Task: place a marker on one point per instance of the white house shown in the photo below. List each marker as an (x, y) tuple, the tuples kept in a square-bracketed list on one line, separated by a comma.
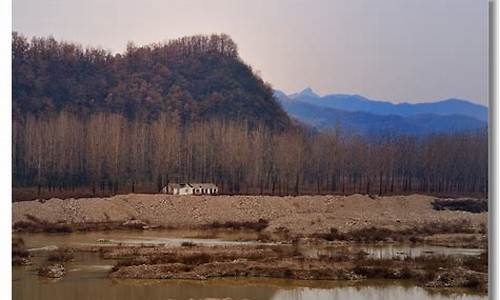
[(178, 189), (190, 189), (204, 188)]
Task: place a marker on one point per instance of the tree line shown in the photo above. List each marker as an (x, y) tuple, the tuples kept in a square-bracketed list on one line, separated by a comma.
[(109, 152)]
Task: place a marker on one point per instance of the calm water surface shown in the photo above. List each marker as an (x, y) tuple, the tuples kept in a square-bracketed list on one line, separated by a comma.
[(87, 279), (388, 251)]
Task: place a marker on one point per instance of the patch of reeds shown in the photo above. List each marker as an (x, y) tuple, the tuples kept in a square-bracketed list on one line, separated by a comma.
[(34, 224), (20, 254), (469, 205), (415, 234), (260, 225), (188, 244), (61, 256)]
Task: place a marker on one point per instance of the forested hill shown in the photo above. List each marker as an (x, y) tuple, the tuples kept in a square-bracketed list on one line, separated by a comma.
[(189, 79)]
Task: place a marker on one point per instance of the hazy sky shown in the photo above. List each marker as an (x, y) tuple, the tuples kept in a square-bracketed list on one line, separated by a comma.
[(396, 50)]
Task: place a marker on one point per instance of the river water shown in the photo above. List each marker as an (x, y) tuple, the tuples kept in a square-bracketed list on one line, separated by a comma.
[(87, 278), (388, 251)]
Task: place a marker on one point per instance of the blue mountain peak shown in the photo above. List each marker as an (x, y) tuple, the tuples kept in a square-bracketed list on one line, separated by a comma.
[(307, 92)]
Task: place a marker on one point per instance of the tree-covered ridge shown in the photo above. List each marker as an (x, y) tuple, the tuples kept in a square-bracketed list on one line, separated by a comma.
[(191, 79)]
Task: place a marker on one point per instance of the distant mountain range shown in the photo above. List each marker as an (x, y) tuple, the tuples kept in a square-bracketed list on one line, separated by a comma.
[(358, 114)]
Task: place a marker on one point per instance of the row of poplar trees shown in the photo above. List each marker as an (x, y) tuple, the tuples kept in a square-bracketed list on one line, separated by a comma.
[(107, 151)]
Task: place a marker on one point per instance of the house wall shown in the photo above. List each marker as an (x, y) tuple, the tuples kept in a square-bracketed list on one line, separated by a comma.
[(185, 191), (190, 191), (205, 191)]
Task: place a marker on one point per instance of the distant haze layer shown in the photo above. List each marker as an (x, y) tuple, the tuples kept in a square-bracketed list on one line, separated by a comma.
[(357, 114), (401, 51)]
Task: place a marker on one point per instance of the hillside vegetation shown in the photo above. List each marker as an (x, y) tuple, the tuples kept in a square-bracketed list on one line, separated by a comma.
[(189, 79)]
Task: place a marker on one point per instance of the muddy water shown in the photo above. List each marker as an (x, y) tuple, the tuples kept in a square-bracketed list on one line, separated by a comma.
[(87, 278), (387, 251), (225, 237), (154, 237), (92, 284)]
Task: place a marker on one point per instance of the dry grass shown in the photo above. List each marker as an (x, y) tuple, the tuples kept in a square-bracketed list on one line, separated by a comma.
[(279, 261), (61, 256), (188, 244), (378, 234), (20, 254), (469, 205), (33, 224), (19, 248), (477, 263), (260, 225)]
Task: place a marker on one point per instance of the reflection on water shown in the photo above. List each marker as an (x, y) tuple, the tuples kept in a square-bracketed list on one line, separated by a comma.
[(368, 292), (87, 278), (43, 241), (93, 285), (387, 251)]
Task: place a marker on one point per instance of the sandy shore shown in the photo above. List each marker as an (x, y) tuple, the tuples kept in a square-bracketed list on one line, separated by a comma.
[(297, 215)]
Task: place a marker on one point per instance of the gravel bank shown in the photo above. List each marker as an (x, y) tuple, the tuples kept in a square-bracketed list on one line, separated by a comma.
[(299, 215)]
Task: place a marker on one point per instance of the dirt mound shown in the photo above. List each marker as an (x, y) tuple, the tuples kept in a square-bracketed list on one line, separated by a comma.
[(303, 215)]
